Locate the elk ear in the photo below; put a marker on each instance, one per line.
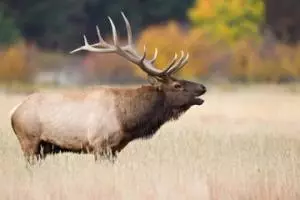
(153, 81)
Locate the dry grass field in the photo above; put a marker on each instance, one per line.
(242, 144)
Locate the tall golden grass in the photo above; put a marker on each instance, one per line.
(242, 144)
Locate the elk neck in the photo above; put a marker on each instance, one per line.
(142, 111)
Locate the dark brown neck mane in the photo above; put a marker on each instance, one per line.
(144, 110)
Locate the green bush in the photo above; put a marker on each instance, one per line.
(228, 20)
(9, 33)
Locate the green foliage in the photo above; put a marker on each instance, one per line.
(140, 13)
(9, 33)
(59, 24)
(50, 23)
(228, 20)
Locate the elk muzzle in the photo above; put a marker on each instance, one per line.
(199, 91)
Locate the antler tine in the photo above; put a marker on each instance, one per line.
(88, 47)
(129, 31)
(128, 52)
(144, 55)
(171, 64)
(181, 62)
(109, 49)
(130, 44)
(144, 64)
(101, 42)
(152, 61)
(175, 63)
(114, 32)
(86, 44)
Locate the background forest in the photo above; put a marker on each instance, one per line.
(228, 40)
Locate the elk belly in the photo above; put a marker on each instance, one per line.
(77, 125)
(64, 126)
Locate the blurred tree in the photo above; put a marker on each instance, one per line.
(9, 32)
(14, 64)
(57, 24)
(283, 18)
(228, 20)
(171, 39)
(141, 14)
(248, 65)
(51, 23)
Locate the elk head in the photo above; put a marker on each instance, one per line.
(179, 93)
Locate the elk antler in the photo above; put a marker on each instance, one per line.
(128, 52)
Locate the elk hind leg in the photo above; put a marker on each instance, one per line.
(30, 148)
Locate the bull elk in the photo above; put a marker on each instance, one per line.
(103, 120)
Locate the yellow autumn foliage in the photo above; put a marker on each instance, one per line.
(243, 61)
(251, 65)
(205, 8)
(170, 39)
(13, 64)
(227, 20)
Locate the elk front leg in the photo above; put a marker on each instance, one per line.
(122, 144)
(105, 148)
(103, 153)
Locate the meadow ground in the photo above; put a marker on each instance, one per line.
(243, 143)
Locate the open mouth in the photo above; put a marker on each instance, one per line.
(198, 100)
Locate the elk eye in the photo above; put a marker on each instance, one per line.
(177, 86)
